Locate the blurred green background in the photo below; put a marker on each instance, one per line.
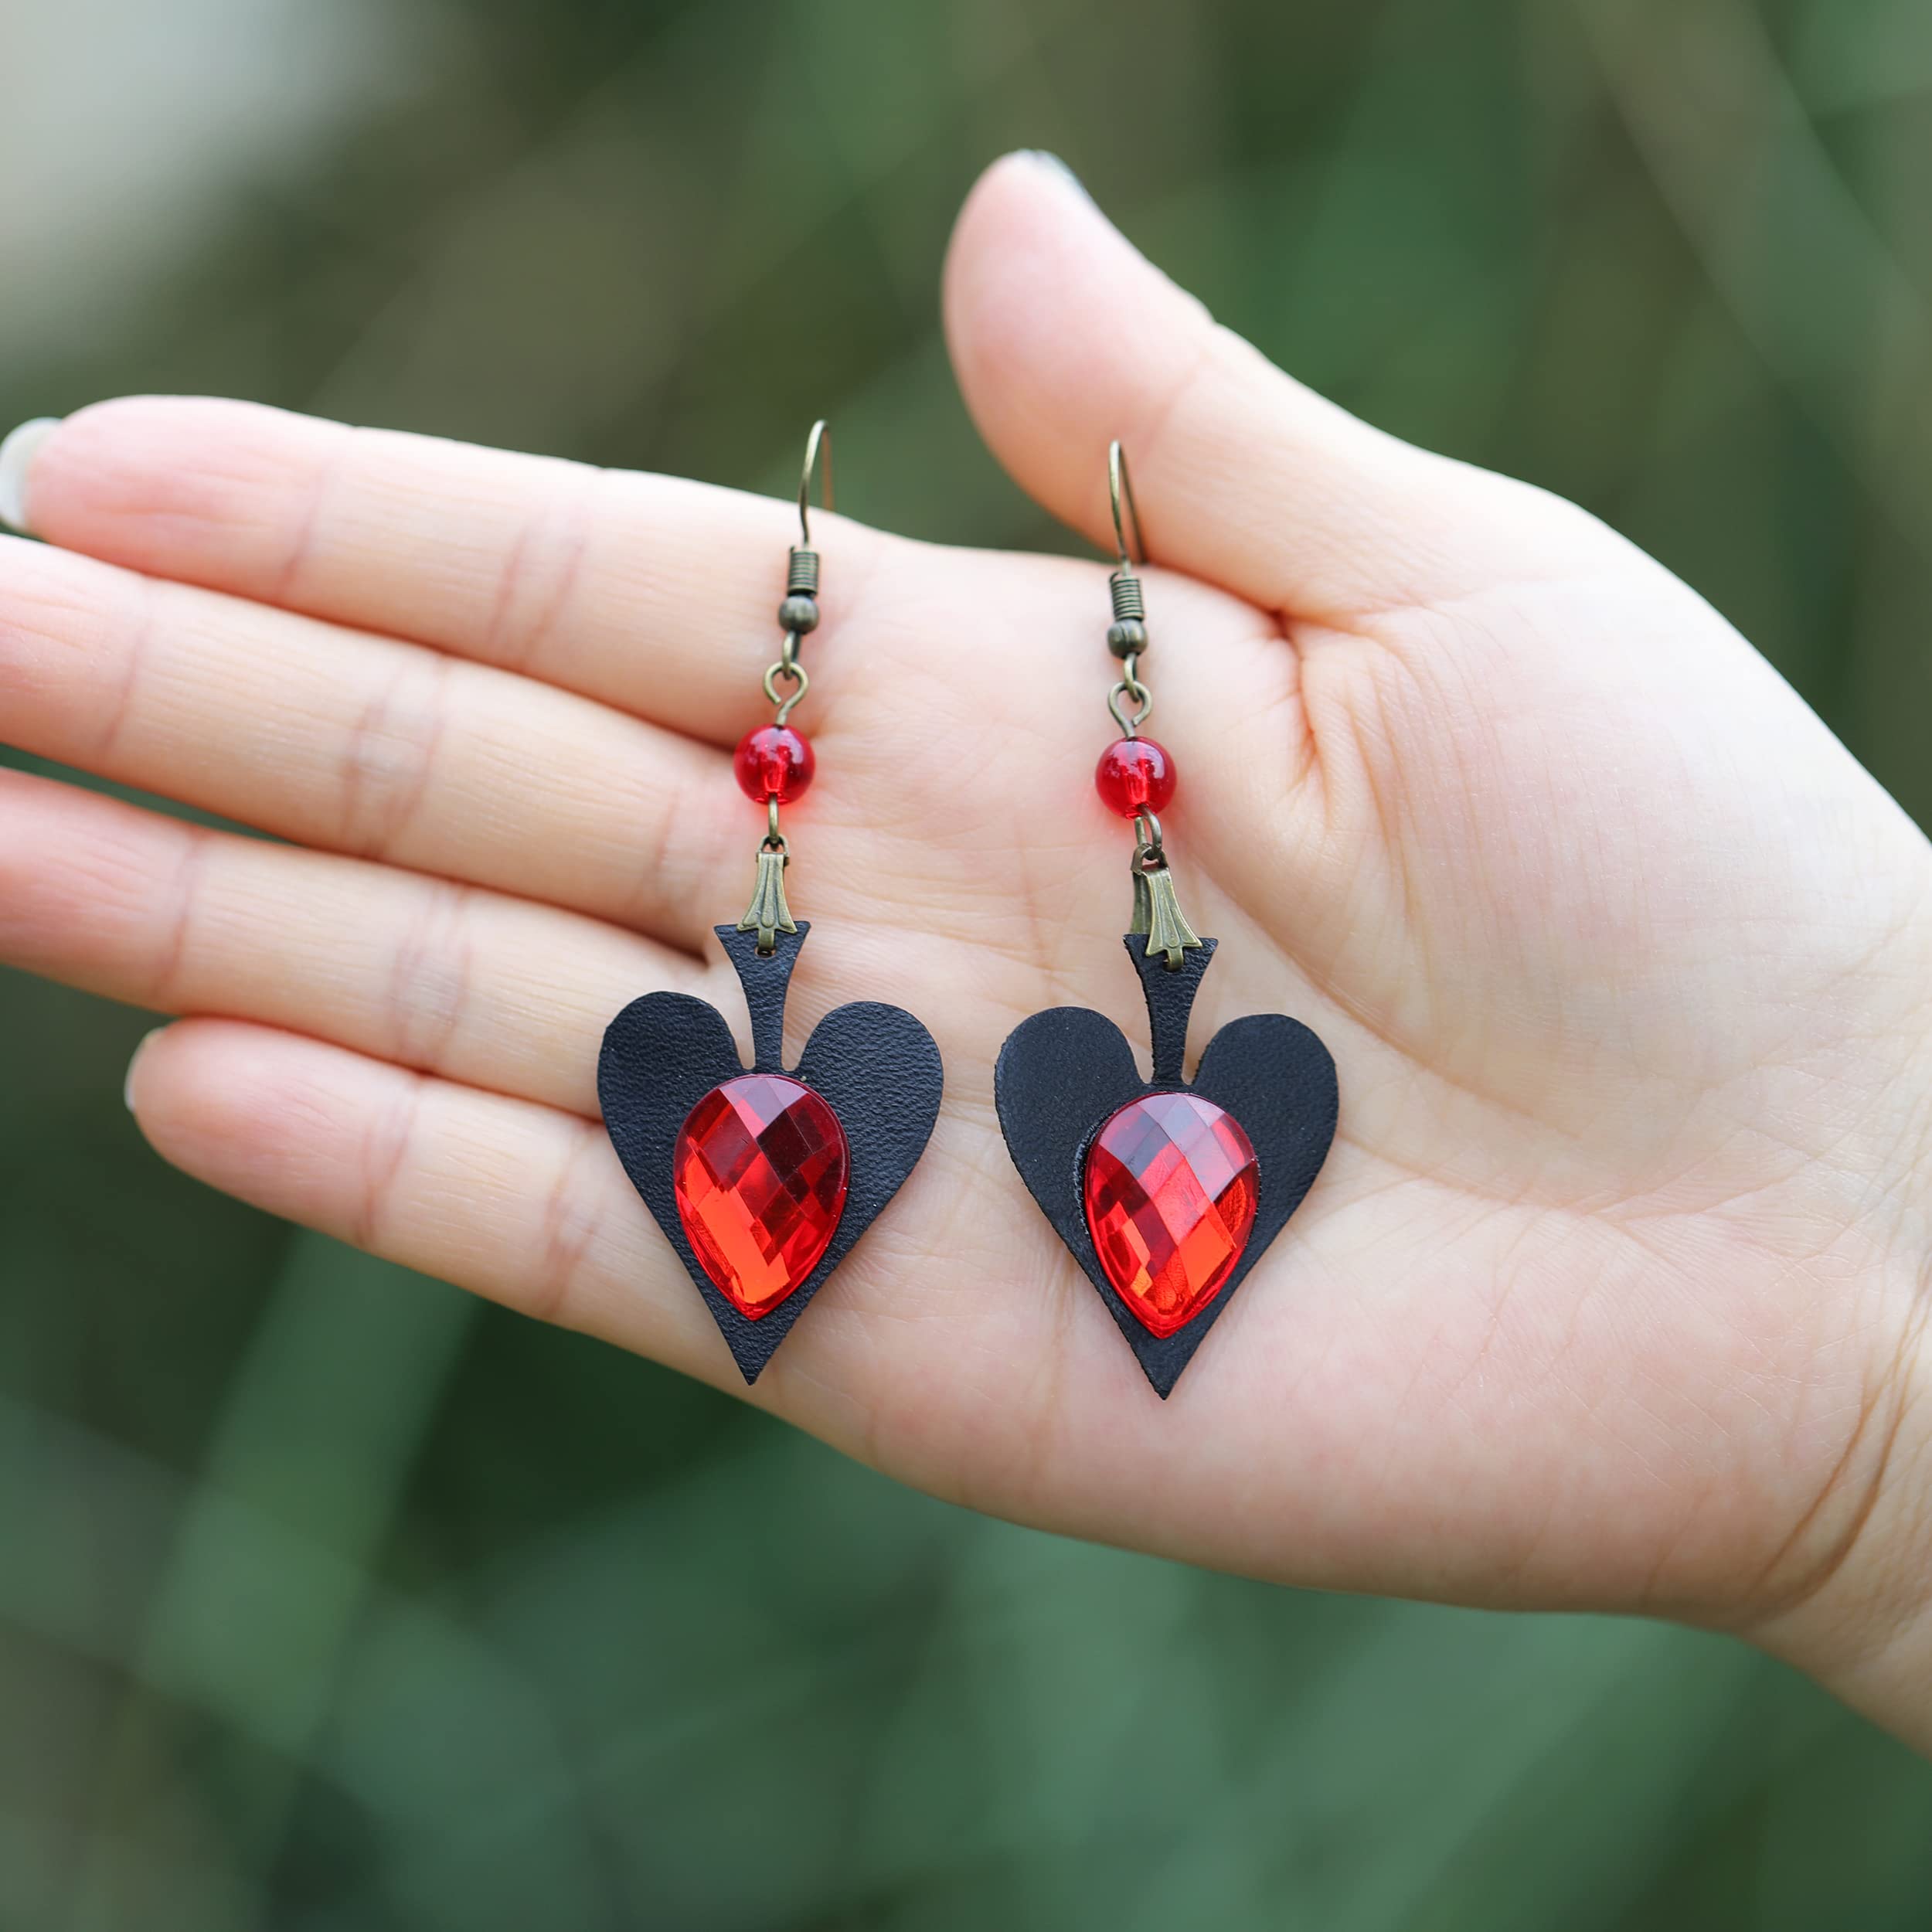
(330, 1600)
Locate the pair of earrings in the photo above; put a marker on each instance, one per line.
(1166, 1191)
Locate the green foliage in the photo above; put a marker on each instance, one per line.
(329, 1599)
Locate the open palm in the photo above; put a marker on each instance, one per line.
(1606, 1294)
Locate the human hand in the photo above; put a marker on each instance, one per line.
(1610, 1293)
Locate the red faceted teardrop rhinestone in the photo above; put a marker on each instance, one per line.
(1171, 1187)
(761, 1169)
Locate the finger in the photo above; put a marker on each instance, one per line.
(1064, 337)
(522, 1203)
(493, 992)
(360, 744)
(649, 592)
(528, 1206)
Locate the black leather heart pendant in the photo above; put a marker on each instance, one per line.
(1230, 1162)
(761, 1169)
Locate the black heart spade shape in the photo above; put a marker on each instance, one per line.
(875, 1066)
(1063, 1074)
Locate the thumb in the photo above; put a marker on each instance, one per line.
(1064, 336)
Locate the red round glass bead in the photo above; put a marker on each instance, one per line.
(773, 762)
(1135, 775)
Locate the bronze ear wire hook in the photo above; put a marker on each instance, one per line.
(799, 613)
(1120, 484)
(820, 439)
(768, 915)
(1126, 636)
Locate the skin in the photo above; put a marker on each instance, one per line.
(1612, 1293)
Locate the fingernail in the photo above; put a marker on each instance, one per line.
(16, 457)
(134, 1067)
(1045, 158)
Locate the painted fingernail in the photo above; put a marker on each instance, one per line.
(1045, 158)
(16, 458)
(133, 1066)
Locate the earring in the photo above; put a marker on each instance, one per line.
(1167, 1191)
(763, 1180)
